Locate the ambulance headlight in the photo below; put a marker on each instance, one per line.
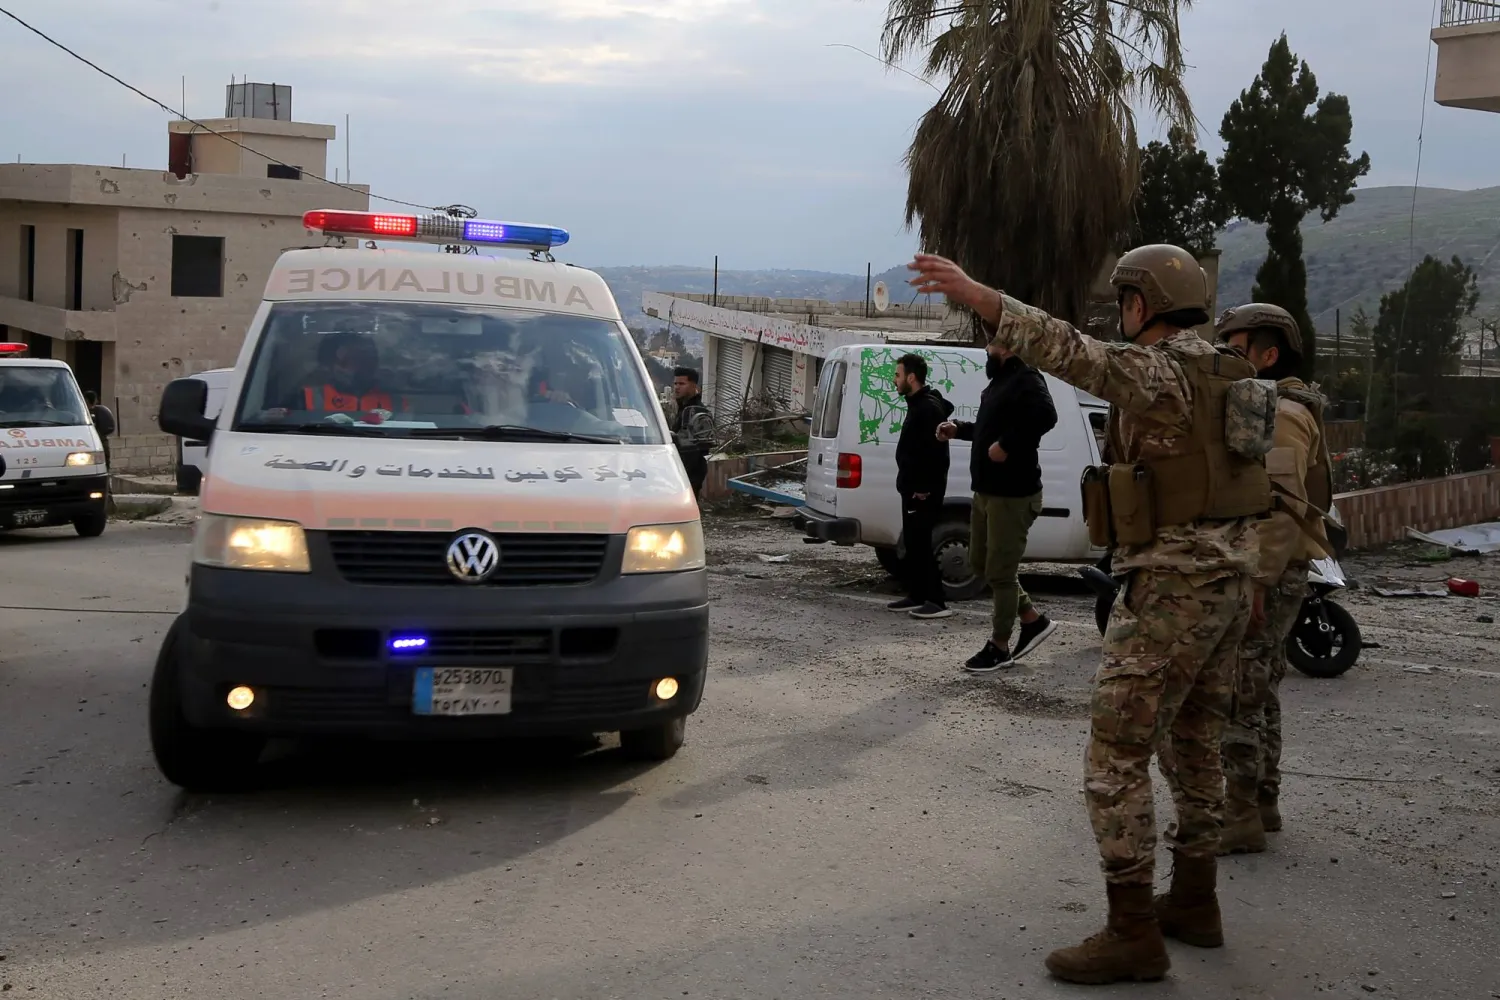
(664, 548)
(250, 543)
(82, 458)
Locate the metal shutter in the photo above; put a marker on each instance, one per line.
(729, 379)
(777, 376)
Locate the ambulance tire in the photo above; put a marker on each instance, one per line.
(196, 760)
(189, 479)
(655, 743)
(91, 525)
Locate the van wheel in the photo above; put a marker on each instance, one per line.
(890, 560)
(189, 479)
(91, 525)
(655, 742)
(197, 760)
(950, 543)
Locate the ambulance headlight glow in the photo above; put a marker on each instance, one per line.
(250, 543)
(664, 548)
(440, 229)
(82, 458)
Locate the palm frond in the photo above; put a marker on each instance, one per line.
(1024, 169)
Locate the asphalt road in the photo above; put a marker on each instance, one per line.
(851, 818)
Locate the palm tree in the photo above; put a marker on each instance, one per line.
(1024, 170)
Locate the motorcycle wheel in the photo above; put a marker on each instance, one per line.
(1319, 653)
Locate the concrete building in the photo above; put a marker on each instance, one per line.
(138, 276)
(1468, 63)
(765, 354)
(762, 356)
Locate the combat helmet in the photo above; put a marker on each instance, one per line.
(1169, 277)
(1262, 315)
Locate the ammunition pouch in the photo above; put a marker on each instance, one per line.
(1096, 515)
(1119, 505)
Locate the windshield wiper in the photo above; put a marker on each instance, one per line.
(512, 432)
(312, 428)
(41, 423)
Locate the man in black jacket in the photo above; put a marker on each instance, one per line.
(692, 428)
(922, 480)
(1015, 411)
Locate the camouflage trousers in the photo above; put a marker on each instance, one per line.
(1164, 687)
(1252, 740)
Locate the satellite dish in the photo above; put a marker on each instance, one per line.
(882, 297)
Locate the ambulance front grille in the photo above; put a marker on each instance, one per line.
(406, 558)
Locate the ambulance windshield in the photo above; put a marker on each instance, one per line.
(39, 396)
(425, 369)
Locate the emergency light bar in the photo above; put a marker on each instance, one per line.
(440, 229)
(12, 349)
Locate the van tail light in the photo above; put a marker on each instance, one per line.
(851, 473)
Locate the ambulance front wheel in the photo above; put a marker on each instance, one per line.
(194, 759)
(655, 743)
(91, 525)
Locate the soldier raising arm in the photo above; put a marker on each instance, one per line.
(1178, 516)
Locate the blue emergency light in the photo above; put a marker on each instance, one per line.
(440, 229)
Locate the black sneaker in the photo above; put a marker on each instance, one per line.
(988, 660)
(905, 604)
(931, 610)
(1033, 635)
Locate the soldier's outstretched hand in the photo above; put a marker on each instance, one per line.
(940, 276)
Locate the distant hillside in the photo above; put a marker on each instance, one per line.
(630, 283)
(1365, 251)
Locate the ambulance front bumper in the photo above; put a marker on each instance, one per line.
(324, 656)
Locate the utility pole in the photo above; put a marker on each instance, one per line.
(716, 280)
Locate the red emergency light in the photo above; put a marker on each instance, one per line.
(362, 223)
(13, 349)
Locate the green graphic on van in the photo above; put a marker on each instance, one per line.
(881, 408)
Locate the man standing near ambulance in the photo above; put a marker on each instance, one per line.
(1298, 464)
(1177, 505)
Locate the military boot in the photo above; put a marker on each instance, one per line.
(1129, 949)
(1270, 812)
(1241, 832)
(1189, 911)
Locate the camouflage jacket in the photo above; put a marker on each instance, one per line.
(1155, 406)
(1296, 447)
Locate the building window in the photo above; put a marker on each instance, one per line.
(75, 269)
(198, 266)
(282, 172)
(28, 263)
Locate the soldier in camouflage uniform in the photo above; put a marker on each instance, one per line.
(1270, 338)
(1168, 668)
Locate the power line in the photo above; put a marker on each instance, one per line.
(197, 124)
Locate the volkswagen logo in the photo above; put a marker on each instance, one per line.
(473, 557)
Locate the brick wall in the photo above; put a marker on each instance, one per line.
(1382, 515)
(143, 453)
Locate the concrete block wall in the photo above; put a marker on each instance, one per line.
(143, 453)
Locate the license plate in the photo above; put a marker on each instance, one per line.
(22, 518)
(461, 691)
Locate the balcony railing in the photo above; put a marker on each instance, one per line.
(1460, 12)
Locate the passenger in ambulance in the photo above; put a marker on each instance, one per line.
(345, 385)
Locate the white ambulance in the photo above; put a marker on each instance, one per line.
(440, 501)
(54, 459)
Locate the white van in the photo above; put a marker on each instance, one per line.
(192, 456)
(441, 502)
(54, 459)
(851, 461)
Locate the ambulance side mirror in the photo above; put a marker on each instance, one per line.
(182, 406)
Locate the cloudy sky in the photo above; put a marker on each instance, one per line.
(658, 131)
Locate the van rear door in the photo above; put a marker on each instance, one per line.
(823, 436)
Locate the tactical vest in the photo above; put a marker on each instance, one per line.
(1207, 481)
(1319, 465)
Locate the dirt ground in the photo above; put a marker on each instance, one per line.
(1399, 757)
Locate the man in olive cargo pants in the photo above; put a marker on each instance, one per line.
(1005, 472)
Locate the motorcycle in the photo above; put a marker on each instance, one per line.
(1324, 643)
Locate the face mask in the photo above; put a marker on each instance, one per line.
(993, 366)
